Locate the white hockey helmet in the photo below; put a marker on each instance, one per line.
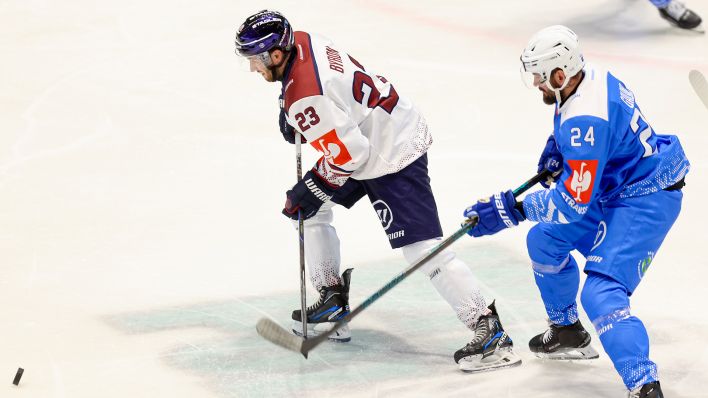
(549, 49)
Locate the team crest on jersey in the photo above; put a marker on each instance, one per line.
(581, 180)
(333, 149)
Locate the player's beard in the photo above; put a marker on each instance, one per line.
(549, 98)
(272, 73)
(267, 75)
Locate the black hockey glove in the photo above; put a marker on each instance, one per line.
(551, 160)
(308, 195)
(286, 129)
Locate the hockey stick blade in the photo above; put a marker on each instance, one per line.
(700, 85)
(274, 333)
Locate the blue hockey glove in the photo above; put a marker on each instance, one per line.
(286, 129)
(495, 213)
(551, 160)
(308, 195)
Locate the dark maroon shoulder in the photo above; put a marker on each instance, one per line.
(303, 79)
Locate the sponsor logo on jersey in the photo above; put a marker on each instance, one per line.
(571, 202)
(600, 236)
(644, 264)
(385, 214)
(580, 183)
(319, 194)
(396, 235)
(502, 211)
(333, 149)
(594, 259)
(604, 329)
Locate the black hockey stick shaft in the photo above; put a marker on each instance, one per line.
(301, 237)
(309, 344)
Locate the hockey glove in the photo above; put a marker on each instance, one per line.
(308, 195)
(495, 213)
(286, 129)
(551, 160)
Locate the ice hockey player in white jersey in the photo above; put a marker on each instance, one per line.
(373, 142)
(618, 193)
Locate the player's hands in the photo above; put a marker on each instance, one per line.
(308, 195)
(286, 129)
(551, 160)
(495, 213)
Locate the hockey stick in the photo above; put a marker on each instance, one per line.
(301, 237)
(700, 85)
(271, 331)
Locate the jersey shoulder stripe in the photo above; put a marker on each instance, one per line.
(304, 78)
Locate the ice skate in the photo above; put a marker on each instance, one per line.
(569, 342)
(491, 348)
(332, 306)
(649, 390)
(678, 15)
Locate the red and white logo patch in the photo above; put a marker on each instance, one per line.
(580, 183)
(333, 149)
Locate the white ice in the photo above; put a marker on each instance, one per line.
(142, 176)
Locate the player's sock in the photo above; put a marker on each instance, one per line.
(563, 342)
(332, 306)
(649, 390)
(677, 14)
(491, 348)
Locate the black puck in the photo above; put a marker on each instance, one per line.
(18, 376)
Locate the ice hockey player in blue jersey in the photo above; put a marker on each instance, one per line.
(617, 194)
(677, 14)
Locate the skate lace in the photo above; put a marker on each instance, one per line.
(481, 332)
(547, 335)
(634, 393)
(323, 295)
(676, 9)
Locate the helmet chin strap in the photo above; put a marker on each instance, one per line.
(273, 68)
(557, 91)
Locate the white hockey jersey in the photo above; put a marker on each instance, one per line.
(354, 117)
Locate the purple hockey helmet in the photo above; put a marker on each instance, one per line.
(262, 32)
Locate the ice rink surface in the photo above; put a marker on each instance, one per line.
(142, 176)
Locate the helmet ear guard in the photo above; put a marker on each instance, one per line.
(551, 48)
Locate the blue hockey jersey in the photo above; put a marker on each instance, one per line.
(609, 151)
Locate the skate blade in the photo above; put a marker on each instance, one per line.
(698, 29)
(571, 354)
(342, 335)
(502, 358)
